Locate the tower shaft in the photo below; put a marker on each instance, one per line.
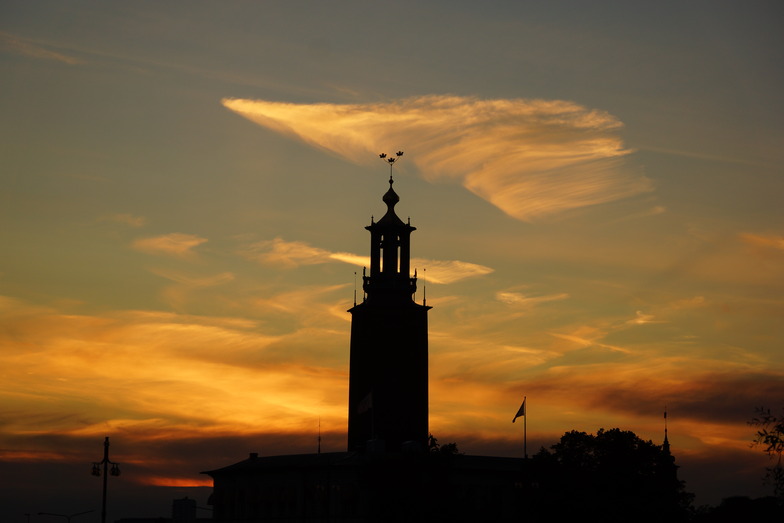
(388, 381)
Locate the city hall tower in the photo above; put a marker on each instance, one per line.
(388, 389)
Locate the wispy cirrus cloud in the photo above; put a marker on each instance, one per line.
(291, 254)
(33, 49)
(523, 300)
(767, 241)
(586, 337)
(530, 158)
(287, 254)
(194, 281)
(173, 244)
(642, 318)
(448, 271)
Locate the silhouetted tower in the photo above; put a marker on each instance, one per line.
(666, 443)
(388, 391)
(668, 468)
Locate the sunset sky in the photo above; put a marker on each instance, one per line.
(597, 190)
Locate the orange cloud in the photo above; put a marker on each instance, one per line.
(33, 49)
(769, 241)
(530, 158)
(173, 244)
(287, 254)
(642, 318)
(441, 271)
(160, 371)
(7, 455)
(519, 299)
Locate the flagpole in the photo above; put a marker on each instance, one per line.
(525, 429)
(522, 412)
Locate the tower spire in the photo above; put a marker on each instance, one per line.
(666, 443)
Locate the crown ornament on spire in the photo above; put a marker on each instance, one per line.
(391, 161)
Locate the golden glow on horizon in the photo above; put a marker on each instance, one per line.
(157, 371)
(158, 481)
(166, 374)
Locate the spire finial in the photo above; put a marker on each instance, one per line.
(424, 286)
(666, 443)
(391, 161)
(665, 422)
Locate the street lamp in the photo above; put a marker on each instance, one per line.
(67, 518)
(97, 472)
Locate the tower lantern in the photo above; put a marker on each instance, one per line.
(390, 255)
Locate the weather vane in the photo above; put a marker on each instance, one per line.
(391, 160)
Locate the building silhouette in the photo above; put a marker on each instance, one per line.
(389, 471)
(388, 392)
(183, 511)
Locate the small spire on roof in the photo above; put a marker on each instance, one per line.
(666, 443)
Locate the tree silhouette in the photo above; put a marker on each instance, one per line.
(447, 449)
(770, 435)
(613, 475)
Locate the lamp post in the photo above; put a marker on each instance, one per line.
(67, 518)
(97, 472)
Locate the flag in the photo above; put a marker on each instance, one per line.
(520, 411)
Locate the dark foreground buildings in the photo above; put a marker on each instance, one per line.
(388, 472)
(368, 486)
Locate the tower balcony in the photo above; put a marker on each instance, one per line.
(385, 287)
